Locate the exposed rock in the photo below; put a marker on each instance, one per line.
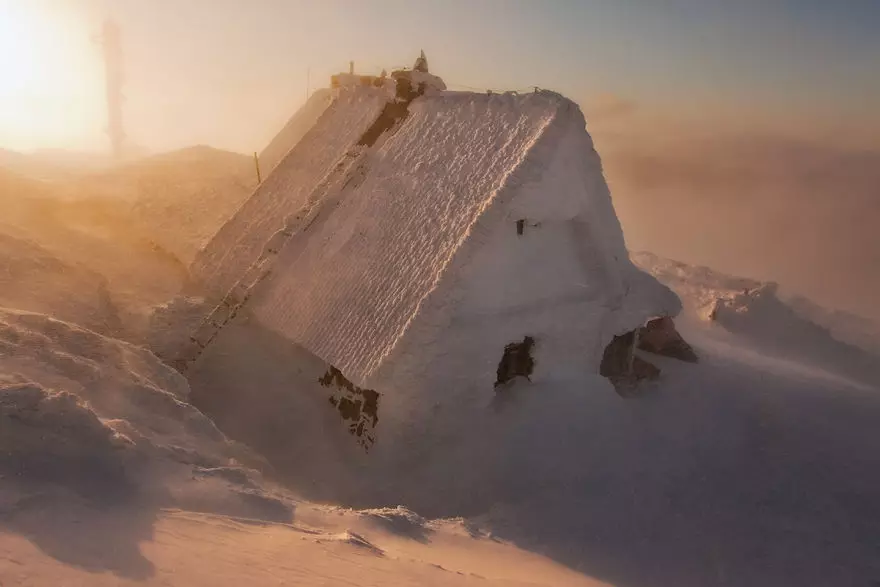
(358, 407)
(622, 367)
(660, 337)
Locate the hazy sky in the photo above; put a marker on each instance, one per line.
(229, 72)
(743, 134)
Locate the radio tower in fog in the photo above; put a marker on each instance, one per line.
(112, 45)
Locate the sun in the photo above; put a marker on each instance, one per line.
(49, 76)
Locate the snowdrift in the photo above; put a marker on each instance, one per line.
(737, 455)
(755, 311)
(178, 199)
(844, 326)
(86, 415)
(32, 278)
(133, 393)
(62, 242)
(184, 197)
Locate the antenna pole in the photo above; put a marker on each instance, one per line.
(111, 40)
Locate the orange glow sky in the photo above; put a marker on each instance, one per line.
(229, 72)
(744, 135)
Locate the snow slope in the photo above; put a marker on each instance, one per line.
(741, 470)
(33, 278)
(108, 547)
(63, 370)
(180, 198)
(745, 469)
(109, 477)
(844, 326)
(185, 196)
(76, 252)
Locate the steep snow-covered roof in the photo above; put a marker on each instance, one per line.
(348, 285)
(347, 291)
(294, 130)
(238, 243)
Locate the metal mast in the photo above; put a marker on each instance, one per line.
(112, 43)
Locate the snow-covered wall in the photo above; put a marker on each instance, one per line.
(239, 242)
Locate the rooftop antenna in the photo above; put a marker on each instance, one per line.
(421, 63)
(111, 41)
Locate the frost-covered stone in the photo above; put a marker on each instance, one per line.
(660, 337)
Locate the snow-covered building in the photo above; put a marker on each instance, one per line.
(421, 241)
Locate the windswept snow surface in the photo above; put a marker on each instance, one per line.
(33, 278)
(844, 326)
(744, 469)
(741, 470)
(755, 312)
(79, 258)
(129, 389)
(109, 477)
(183, 197)
(102, 547)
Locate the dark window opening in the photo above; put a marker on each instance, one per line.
(517, 361)
(520, 226)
